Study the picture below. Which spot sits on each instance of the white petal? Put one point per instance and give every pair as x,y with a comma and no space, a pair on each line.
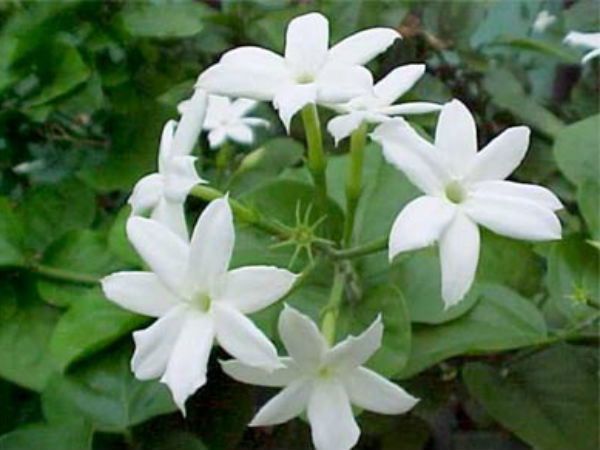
217,111
332,422
242,106
398,82
180,177
140,292
172,215
306,43
259,376
531,192
456,136
166,143
286,405
211,246
363,46
341,127
501,156
420,161
301,338
249,72
337,84
242,339
216,137
354,351
189,126
459,254
241,133
252,288
419,224
289,101
163,250
591,55
373,392
514,217
256,122
590,40
186,370
146,193
410,108
153,345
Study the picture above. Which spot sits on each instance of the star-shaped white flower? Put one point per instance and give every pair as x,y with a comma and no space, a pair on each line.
225,119
586,40
310,71
463,188
542,21
195,299
323,381
164,192
377,106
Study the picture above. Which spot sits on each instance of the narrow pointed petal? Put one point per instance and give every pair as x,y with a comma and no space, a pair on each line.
154,345
242,106
217,111
211,246
163,250
373,392
289,101
514,217
590,40
459,254
354,351
256,122
456,136
306,43
501,156
341,127
591,55
242,339
140,292
241,133
186,370
261,377
531,192
396,83
252,288
146,193
362,47
419,224
332,422
189,126
338,84
181,177
407,151
171,215
410,108
301,337
216,137
286,405
166,144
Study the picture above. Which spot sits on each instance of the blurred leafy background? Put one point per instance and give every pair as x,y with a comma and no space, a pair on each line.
85,87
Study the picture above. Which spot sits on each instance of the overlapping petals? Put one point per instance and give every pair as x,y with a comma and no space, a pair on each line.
585,40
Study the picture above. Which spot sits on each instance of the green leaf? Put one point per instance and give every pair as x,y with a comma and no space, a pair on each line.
118,243
71,435
544,47
105,392
588,194
395,432
501,320
11,236
90,324
174,20
50,211
549,400
577,149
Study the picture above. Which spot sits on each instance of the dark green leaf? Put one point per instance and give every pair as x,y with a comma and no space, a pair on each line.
118,242
164,20
11,236
69,435
588,198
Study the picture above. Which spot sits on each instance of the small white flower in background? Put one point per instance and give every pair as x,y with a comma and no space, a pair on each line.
323,381
195,299
376,106
164,192
587,40
225,119
542,21
463,188
310,71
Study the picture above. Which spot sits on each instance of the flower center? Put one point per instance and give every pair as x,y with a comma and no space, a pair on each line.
455,192
202,301
305,78
325,372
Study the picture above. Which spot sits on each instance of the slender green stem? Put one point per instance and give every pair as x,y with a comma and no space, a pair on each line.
361,250
222,162
332,308
354,179
317,161
68,276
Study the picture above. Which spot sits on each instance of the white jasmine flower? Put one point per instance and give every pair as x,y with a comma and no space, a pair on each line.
323,381
376,106
309,72
225,119
164,192
542,21
586,40
195,299
463,188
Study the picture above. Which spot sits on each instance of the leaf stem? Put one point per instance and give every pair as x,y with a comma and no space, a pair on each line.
332,308
354,179
69,276
370,247
317,161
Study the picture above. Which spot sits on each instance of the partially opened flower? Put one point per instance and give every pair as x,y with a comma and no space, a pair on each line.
377,106
225,120
586,40
164,192
310,72
324,382
542,21
463,188
196,300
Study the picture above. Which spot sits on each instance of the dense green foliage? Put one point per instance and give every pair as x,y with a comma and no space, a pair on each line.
85,88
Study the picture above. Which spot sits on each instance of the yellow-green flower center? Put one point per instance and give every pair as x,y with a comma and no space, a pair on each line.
455,192
325,372
202,301
305,78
